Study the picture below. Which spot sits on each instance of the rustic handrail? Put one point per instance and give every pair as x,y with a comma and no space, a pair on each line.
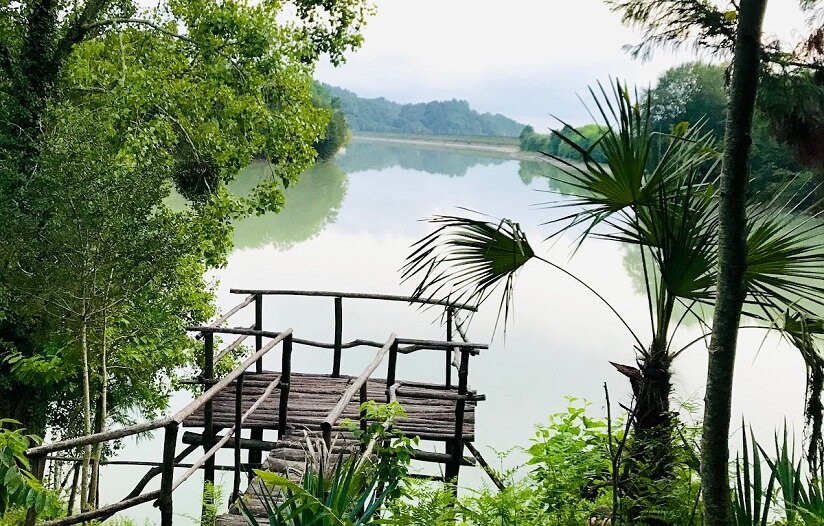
231,312
229,378
232,346
412,344
143,427
354,387
104,511
229,434
357,295
234,310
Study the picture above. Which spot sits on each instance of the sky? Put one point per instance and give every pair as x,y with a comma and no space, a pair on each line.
527,59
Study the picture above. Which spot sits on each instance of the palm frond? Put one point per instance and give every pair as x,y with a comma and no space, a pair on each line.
467,259
785,261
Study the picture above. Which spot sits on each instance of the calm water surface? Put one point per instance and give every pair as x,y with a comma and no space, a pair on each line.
348,226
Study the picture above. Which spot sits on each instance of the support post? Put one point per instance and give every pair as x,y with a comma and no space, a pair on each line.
456,450
238,428
363,398
285,380
338,337
208,411
167,474
258,327
38,468
450,312
255,455
393,365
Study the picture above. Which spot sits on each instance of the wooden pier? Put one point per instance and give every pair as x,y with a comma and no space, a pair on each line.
296,404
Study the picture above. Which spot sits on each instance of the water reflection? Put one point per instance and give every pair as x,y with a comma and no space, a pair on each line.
349,227
311,204
368,155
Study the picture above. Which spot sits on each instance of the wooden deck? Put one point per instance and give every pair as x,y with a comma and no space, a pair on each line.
430,416
430,412
296,405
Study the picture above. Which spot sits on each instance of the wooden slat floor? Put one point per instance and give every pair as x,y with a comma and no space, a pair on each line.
430,412
312,397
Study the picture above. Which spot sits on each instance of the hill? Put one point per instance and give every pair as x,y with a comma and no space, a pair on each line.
452,117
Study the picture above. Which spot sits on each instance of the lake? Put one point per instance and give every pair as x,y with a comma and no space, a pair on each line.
348,226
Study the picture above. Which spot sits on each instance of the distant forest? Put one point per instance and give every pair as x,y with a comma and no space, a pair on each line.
452,117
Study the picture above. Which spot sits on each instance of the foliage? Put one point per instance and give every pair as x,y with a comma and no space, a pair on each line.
467,259
586,137
570,463
453,117
751,502
695,93
566,481
391,448
118,107
19,488
333,491
212,495
337,132
665,204
673,23
802,496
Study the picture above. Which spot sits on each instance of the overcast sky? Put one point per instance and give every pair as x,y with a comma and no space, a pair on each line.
526,59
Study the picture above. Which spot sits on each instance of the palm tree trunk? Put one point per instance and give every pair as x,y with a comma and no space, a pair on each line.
650,458
732,256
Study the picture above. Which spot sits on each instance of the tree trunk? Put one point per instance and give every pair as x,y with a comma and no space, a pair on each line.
732,261
648,468
87,418
102,412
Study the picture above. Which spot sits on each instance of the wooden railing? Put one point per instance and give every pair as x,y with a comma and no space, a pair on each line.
451,309
171,424
212,386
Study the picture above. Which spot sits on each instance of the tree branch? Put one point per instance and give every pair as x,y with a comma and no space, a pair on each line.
160,29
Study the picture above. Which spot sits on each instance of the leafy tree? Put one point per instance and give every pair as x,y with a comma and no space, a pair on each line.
337,132
106,108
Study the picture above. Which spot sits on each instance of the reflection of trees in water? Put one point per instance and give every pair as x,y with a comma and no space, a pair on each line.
369,155
311,204
555,178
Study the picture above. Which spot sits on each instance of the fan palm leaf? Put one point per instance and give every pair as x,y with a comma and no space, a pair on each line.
468,259
785,261
610,191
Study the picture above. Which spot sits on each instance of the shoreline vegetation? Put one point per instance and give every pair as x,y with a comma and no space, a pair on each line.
505,147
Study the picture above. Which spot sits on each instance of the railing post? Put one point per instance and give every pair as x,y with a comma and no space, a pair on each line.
338,336
258,327
285,381
38,468
238,435
168,473
208,413
449,320
393,365
363,399
256,455
456,450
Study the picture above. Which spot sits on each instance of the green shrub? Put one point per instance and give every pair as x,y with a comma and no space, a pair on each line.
18,486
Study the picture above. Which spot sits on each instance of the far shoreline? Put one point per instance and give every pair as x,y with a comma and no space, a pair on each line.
505,147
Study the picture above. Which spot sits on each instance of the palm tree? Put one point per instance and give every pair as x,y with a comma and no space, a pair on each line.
665,205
